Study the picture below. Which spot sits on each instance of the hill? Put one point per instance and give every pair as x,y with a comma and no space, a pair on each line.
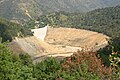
15,9
106,20
9,30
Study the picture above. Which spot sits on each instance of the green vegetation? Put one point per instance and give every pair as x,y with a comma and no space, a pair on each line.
110,55
79,66
111,49
15,9
47,70
12,67
9,30
105,20
103,64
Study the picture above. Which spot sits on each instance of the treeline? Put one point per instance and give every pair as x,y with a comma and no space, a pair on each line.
9,30
79,66
106,20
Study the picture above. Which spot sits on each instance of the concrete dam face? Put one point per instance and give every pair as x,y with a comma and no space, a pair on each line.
40,33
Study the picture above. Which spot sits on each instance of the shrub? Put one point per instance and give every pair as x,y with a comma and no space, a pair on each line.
87,63
47,70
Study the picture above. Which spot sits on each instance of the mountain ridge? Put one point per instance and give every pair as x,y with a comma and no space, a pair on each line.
14,9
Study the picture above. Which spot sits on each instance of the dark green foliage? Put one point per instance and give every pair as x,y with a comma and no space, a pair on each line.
114,57
25,59
113,47
116,45
47,70
9,30
111,56
106,20
104,54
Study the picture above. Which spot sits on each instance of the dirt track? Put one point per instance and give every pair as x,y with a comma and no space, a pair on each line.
59,42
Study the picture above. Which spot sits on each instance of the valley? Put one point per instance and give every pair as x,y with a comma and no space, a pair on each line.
60,40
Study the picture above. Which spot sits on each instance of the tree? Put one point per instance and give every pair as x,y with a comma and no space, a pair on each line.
12,67
47,70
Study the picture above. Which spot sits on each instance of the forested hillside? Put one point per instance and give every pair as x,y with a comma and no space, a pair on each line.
9,30
106,20
15,9
100,65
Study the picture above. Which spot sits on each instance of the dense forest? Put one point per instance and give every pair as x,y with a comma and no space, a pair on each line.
9,30
105,20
